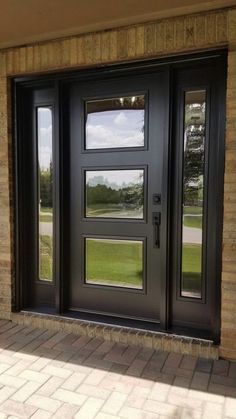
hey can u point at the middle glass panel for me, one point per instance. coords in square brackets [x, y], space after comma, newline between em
[115, 193]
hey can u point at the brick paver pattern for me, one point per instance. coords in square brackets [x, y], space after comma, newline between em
[47, 374]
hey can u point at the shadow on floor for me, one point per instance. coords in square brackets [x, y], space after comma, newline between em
[130, 381]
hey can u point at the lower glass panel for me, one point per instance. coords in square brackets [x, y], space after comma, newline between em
[116, 263]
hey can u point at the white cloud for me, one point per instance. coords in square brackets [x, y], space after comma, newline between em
[46, 131]
[98, 136]
[45, 157]
[120, 119]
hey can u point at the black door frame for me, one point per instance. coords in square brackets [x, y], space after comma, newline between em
[22, 89]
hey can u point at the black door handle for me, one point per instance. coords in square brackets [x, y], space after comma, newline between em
[156, 221]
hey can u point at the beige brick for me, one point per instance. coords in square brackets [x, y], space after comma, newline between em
[89, 390]
[95, 377]
[42, 414]
[6, 392]
[130, 412]
[114, 403]
[102, 415]
[230, 407]
[26, 391]
[160, 392]
[50, 386]
[45, 403]
[188, 413]
[212, 410]
[34, 376]
[67, 396]
[67, 411]
[17, 409]
[73, 381]
[10, 381]
[58, 372]
[90, 408]
[161, 408]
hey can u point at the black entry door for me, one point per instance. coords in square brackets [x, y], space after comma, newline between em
[118, 128]
[119, 191]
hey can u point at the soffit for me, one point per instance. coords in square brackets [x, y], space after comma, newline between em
[27, 21]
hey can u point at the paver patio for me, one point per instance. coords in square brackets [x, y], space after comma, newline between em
[46, 374]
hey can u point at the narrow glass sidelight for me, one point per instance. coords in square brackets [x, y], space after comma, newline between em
[45, 193]
[193, 193]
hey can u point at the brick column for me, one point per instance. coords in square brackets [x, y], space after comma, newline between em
[228, 302]
[5, 227]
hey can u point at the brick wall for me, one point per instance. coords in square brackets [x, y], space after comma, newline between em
[161, 38]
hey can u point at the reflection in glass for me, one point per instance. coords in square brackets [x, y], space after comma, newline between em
[45, 191]
[114, 123]
[115, 193]
[193, 188]
[117, 263]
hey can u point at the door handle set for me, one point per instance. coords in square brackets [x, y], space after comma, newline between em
[156, 221]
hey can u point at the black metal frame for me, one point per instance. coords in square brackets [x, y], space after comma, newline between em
[23, 89]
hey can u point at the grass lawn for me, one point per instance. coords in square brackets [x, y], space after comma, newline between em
[114, 263]
[45, 264]
[45, 218]
[113, 210]
[45, 214]
[46, 209]
[191, 265]
[192, 210]
[119, 263]
[193, 221]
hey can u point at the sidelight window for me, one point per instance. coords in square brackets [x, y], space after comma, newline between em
[45, 193]
[193, 193]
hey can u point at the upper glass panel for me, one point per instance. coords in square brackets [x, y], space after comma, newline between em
[45, 191]
[193, 193]
[115, 123]
[114, 193]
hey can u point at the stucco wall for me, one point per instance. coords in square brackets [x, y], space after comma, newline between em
[161, 38]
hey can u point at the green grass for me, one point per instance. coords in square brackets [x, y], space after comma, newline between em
[114, 263]
[194, 221]
[46, 209]
[192, 210]
[191, 265]
[113, 210]
[45, 261]
[45, 218]
[45, 215]
[120, 263]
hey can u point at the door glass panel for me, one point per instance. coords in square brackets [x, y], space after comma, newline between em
[45, 192]
[115, 123]
[193, 193]
[117, 263]
[114, 193]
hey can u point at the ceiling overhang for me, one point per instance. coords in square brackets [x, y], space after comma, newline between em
[27, 21]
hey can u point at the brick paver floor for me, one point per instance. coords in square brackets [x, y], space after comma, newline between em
[45, 374]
